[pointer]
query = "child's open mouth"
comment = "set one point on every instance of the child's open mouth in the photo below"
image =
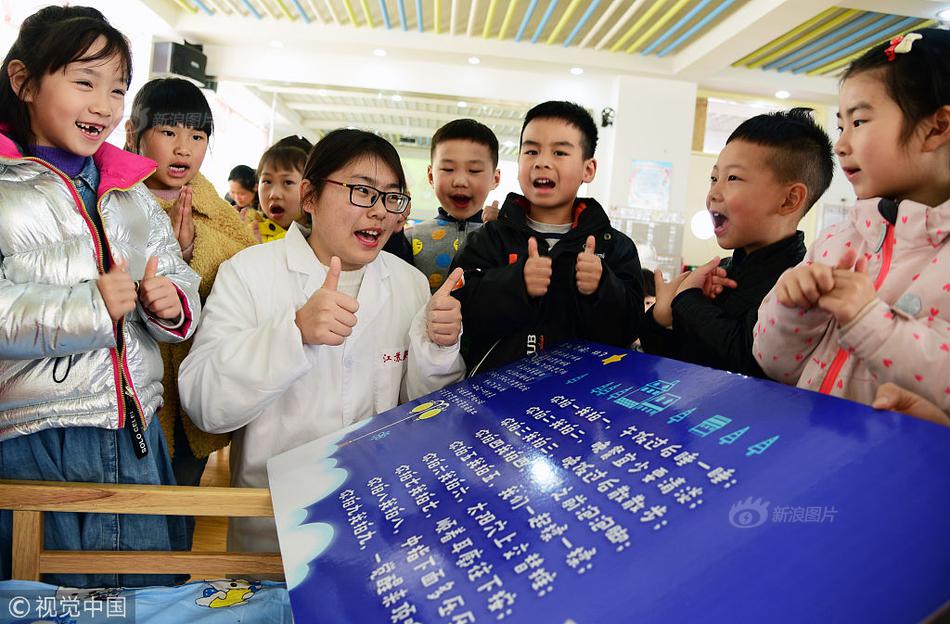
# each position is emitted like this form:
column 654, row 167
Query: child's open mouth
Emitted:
column 543, row 183
column 276, row 212
column 460, row 202
column 850, row 172
column 719, row 221
column 369, row 238
column 178, row 170
column 90, row 130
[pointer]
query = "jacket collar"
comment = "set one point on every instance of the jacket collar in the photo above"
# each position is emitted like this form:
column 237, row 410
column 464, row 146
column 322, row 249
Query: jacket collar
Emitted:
column 790, row 246
column 118, row 169
column 372, row 299
column 915, row 224
column 302, row 259
column 588, row 214
column 475, row 218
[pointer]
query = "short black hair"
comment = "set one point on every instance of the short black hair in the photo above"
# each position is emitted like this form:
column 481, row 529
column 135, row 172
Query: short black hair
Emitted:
column 341, row 147
column 649, row 285
column 49, row 40
column 282, row 157
column 918, row 80
column 467, row 130
column 245, row 176
column 800, row 149
column 295, row 140
column 168, row 102
column 574, row 114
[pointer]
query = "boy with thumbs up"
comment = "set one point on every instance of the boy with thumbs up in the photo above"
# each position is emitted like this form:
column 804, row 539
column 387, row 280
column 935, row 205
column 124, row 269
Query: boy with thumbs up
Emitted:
column 773, row 168
column 550, row 267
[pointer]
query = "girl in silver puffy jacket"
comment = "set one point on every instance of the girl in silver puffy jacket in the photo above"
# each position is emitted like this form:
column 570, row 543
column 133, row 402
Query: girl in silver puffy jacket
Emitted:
column 91, row 277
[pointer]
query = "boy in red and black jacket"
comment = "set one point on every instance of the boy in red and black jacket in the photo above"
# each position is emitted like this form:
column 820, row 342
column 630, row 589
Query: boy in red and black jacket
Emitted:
column 551, row 268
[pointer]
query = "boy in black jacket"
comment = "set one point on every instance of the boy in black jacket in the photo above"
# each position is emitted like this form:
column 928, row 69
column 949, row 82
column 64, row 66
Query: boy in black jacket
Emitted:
column 550, row 268
column 773, row 168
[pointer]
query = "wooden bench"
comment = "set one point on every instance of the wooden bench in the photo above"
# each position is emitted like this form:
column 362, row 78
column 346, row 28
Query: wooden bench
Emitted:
column 29, row 499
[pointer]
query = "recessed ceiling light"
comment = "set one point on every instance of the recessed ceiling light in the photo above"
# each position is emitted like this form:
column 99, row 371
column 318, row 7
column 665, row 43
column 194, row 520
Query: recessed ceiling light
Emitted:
column 577, row 71
column 944, row 15
column 397, row 98
column 782, row 94
column 276, row 44
column 379, row 52
column 474, row 60
column 462, row 104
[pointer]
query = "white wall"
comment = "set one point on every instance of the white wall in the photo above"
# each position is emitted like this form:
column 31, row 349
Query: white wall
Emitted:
column 654, row 121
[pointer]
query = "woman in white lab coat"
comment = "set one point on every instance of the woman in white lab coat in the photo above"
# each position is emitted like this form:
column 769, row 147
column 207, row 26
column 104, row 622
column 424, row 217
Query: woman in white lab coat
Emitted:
column 308, row 334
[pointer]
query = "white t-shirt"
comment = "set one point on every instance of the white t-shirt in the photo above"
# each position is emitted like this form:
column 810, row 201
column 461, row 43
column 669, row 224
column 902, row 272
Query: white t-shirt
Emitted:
column 551, row 232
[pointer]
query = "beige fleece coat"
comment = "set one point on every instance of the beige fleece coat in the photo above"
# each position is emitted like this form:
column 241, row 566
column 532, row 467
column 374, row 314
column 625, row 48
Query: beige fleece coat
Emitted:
column 219, row 234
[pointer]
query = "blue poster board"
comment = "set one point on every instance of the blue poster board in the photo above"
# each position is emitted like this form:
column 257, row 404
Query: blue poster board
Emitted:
column 592, row 484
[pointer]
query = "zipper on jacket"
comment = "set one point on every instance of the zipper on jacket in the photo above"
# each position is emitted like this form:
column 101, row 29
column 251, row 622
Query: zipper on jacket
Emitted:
column 134, row 418
column 828, row 384
column 134, row 421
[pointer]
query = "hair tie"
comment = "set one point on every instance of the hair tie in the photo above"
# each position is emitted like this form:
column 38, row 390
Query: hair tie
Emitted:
column 901, row 45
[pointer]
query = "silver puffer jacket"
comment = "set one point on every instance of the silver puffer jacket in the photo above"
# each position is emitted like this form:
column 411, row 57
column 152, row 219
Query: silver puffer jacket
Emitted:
column 59, row 366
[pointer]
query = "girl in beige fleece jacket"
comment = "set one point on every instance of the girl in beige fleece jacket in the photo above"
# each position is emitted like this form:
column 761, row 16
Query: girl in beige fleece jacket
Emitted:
column 171, row 123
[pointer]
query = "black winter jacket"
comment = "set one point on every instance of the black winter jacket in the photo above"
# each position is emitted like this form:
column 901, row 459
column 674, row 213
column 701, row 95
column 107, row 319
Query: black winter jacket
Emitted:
column 501, row 323
column 718, row 333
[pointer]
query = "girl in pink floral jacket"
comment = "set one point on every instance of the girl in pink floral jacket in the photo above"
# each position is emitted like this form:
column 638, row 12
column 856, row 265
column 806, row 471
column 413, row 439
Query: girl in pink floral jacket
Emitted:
column 871, row 301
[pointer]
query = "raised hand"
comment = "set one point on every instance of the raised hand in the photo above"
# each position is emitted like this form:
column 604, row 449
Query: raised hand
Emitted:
column 851, row 292
column 537, row 271
column 490, row 213
column 444, row 313
column 665, row 292
column 804, row 285
column 329, row 316
column 588, row 269
column 697, row 277
column 157, row 293
column 716, row 281
column 182, row 223
column 117, row 290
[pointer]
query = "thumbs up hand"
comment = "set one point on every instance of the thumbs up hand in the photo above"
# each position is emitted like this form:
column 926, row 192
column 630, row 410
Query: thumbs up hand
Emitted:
column 157, row 293
column 117, row 290
column 490, row 212
column 444, row 313
column 537, row 271
column 588, row 269
column 329, row 316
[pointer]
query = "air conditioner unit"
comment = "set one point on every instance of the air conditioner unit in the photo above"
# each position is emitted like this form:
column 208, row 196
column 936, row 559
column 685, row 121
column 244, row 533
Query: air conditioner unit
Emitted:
column 176, row 59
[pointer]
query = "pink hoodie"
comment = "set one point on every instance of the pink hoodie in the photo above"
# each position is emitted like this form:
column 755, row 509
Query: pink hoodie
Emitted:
column 903, row 336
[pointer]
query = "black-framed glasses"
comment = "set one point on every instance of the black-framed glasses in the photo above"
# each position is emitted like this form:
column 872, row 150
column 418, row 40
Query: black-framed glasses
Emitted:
column 366, row 196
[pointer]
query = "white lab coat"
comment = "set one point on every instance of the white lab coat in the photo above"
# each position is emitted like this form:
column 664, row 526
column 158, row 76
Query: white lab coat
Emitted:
column 249, row 371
